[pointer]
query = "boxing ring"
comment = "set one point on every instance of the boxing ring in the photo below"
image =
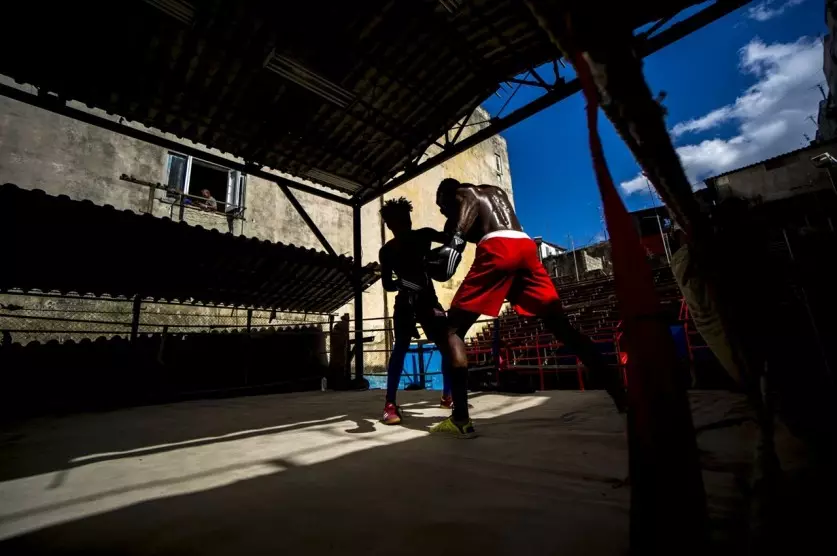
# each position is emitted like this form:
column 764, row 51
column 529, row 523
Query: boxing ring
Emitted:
column 316, row 473
column 350, row 107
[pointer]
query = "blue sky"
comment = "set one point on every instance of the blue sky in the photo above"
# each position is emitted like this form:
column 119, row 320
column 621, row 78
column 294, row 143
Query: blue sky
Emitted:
column 739, row 91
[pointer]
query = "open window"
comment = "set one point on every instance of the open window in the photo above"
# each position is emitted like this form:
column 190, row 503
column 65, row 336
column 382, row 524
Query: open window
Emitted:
column 204, row 185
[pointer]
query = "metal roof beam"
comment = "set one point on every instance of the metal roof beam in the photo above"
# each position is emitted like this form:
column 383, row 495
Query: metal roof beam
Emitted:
column 493, row 128
column 559, row 92
column 529, row 83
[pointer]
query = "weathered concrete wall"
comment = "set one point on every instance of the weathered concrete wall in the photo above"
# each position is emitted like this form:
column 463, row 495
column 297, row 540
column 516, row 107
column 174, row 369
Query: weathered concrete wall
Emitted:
column 564, row 264
column 777, row 178
column 477, row 165
column 42, row 150
column 62, row 156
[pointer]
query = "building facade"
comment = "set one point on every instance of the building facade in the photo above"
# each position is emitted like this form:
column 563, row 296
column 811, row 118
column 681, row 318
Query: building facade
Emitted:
column 63, row 156
column 793, row 174
column 547, row 249
column 584, row 263
column 827, row 117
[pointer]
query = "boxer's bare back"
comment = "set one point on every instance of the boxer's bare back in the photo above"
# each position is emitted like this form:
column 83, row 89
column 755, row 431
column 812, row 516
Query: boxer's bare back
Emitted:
column 477, row 210
column 507, row 268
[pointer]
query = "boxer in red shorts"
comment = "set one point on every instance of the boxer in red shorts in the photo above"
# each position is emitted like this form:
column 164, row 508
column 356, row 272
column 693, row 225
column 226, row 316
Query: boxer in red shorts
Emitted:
column 506, row 267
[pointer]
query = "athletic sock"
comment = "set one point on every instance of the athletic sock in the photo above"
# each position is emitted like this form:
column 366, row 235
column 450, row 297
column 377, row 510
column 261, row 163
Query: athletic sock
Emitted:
column 459, row 392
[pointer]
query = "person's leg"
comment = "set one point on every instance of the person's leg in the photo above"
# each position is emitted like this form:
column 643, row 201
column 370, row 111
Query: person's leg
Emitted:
column 396, row 365
column 437, row 327
column 403, row 325
column 459, row 322
column 481, row 292
column 534, row 293
column 434, row 322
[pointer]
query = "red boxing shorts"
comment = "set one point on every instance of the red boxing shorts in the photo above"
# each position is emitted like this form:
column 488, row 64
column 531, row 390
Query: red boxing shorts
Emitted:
column 506, row 266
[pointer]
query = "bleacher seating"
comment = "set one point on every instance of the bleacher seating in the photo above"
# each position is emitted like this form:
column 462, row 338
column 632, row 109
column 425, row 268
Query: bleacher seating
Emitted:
column 523, row 346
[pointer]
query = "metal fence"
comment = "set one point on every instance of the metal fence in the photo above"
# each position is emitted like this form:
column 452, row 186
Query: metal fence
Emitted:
column 40, row 317
column 46, row 317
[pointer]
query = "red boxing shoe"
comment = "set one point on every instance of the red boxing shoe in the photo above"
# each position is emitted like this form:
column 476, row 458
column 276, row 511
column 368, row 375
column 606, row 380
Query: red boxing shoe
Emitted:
column 447, row 403
column 392, row 415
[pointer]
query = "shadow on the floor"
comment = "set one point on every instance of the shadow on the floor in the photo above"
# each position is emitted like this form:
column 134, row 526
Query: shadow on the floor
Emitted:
column 507, row 493
column 542, row 480
column 62, row 443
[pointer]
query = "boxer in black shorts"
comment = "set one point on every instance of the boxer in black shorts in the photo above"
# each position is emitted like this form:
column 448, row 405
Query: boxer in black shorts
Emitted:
column 403, row 270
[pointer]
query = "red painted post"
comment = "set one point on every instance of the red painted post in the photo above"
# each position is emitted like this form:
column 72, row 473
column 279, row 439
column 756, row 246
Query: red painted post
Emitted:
column 538, row 351
column 620, row 366
column 689, row 346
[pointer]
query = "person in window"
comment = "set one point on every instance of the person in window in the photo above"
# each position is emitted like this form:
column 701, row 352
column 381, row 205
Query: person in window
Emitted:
column 403, row 270
column 209, row 203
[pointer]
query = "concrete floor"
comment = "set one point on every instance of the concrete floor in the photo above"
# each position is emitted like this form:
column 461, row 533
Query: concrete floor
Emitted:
column 315, row 473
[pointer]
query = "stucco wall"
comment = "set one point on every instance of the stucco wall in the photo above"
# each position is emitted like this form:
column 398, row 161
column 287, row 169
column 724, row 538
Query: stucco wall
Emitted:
column 777, row 178
column 564, row 264
column 42, row 150
column 62, row 156
column 476, row 165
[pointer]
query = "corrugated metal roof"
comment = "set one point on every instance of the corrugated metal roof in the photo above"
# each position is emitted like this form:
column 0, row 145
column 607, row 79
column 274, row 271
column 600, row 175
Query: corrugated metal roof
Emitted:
column 345, row 94
column 54, row 243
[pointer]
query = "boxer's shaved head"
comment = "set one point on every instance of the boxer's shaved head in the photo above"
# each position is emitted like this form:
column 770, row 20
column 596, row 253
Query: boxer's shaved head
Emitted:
column 446, row 194
column 447, row 188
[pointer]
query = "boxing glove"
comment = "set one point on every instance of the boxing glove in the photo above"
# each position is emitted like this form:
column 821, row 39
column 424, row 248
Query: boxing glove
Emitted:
column 442, row 262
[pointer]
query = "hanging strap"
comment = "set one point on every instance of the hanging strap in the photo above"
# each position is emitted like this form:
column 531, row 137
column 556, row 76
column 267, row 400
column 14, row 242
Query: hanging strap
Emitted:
column 668, row 506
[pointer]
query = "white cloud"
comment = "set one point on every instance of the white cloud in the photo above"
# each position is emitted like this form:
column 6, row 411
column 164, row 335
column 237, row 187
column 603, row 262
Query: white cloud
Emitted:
column 771, row 116
column 635, row 185
column 713, row 119
column 768, row 9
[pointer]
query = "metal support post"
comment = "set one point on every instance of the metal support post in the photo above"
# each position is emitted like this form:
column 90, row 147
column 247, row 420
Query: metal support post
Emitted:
column 580, row 374
column 135, row 317
column 831, row 177
column 249, row 319
column 495, row 348
column 358, row 269
column 422, row 372
column 575, row 260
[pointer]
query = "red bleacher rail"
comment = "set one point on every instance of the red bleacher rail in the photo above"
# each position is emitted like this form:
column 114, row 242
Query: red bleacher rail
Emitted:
column 689, row 330
column 514, row 344
column 532, row 351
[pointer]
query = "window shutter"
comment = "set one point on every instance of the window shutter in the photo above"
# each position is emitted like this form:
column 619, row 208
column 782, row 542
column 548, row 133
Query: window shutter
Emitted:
column 176, row 178
column 234, row 180
column 242, row 183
